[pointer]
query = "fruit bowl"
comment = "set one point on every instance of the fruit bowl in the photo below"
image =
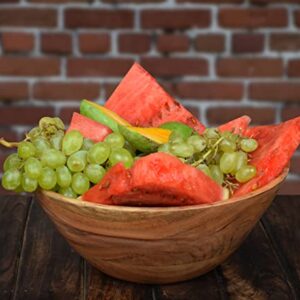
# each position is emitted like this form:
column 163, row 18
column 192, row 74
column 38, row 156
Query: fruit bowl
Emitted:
column 157, row 245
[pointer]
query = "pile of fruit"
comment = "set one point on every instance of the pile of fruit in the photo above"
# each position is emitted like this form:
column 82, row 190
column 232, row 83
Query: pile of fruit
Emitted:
column 144, row 148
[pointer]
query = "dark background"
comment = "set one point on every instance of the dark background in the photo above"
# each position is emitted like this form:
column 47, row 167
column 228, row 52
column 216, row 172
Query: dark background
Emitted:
column 222, row 59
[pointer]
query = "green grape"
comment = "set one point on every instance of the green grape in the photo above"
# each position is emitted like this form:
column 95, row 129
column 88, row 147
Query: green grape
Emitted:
column 34, row 133
column 11, row 179
column 64, row 176
column 19, row 189
column 29, row 185
column 26, row 149
column 115, row 140
column 176, row 138
column 164, row 148
column 241, row 160
column 56, row 140
column 197, row 142
column 121, row 155
column 227, row 145
column 245, row 173
column 216, row 174
column 33, row 167
column 12, row 161
column 212, row 133
column 205, row 169
column 41, row 144
column 94, row 172
column 67, row 192
column 99, row 153
column 249, row 145
column 77, row 161
column 59, row 123
column 228, row 162
column 72, row 142
column 47, row 179
column 87, row 144
column 130, row 148
column 182, row 150
column 53, row 158
column 80, row 183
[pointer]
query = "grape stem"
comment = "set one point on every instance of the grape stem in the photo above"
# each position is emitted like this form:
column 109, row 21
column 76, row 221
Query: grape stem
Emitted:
column 7, row 144
column 198, row 162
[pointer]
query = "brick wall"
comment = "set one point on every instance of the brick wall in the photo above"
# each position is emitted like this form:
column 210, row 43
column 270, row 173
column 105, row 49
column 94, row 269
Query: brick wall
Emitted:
column 221, row 58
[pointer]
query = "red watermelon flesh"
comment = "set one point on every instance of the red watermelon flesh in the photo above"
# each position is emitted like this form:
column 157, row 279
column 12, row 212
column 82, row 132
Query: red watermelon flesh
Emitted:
column 141, row 101
column 238, row 125
column 277, row 144
column 158, row 179
column 88, row 128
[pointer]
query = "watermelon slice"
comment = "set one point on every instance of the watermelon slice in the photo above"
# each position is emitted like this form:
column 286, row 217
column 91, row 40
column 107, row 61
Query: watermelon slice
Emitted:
column 141, row 101
column 158, row 179
column 88, row 128
column 238, row 125
column 277, row 144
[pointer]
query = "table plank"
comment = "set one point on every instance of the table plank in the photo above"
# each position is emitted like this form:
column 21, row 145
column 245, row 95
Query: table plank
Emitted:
column 49, row 268
column 13, row 213
column 253, row 272
column 102, row 287
column 282, row 225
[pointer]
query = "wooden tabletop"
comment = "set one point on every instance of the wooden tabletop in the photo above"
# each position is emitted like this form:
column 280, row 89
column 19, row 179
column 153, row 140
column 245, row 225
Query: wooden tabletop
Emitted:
column 37, row 263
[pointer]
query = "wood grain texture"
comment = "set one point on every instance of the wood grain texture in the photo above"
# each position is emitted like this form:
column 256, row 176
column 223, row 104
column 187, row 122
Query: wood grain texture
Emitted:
column 102, row 287
column 282, row 224
column 13, row 212
column 49, row 268
column 253, row 273
column 157, row 245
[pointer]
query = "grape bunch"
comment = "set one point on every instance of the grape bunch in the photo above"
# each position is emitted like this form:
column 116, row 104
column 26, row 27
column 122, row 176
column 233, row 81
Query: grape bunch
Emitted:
column 224, row 156
column 65, row 163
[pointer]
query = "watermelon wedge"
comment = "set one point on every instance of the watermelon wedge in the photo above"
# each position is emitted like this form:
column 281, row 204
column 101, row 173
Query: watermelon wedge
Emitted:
column 158, row 179
column 88, row 128
column 238, row 125
column 277, row 144
column 141, row 101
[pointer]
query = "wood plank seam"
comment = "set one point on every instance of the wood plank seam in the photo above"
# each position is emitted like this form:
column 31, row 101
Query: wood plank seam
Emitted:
column 83, row 279
column 221, row 284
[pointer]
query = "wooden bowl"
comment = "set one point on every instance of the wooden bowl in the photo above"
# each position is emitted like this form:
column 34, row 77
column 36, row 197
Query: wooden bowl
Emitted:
column 157, row 245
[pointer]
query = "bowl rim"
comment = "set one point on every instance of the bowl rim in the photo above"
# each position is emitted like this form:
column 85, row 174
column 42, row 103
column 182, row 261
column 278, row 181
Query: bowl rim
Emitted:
column 97, row 206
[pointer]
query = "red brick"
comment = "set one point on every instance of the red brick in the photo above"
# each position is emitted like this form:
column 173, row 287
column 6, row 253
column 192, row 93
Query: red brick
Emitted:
column 29, row 66
column 275, row 91
column 134, row 42
column 66, row 91
column 295, row 165
column 247, row 43
column 173, row 43
column 94, row 42
column 175, row 19
column 285, row 41
column 8, row 1
column 98, row 18
column 253, row 17
column 66, row 114
column 132, row 1
column 250, row 67
column 294, row 68
column 221, row 115
column 290, row 112
column 28, row 17
column 194, row 110
column 9, row 135
column 290, row 187
column 23, row 115
column 57, row 43
column 210, row 90
column 59, row 1
column 210, row 43
column 211, row 1
column 175, row 66
column 17, row 42
column 265, row 2
column 109, row 88
column 98, row 67
column 13, row 91
column 297, row 18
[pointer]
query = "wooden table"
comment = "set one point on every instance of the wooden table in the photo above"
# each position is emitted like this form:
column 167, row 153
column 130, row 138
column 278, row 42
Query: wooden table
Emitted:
column 37, row 263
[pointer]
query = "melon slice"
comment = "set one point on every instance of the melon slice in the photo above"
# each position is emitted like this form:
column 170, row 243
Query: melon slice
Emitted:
column 88, row 128
column 277, row 144
column 158, row 179
column 141, row 101
column 238, row 125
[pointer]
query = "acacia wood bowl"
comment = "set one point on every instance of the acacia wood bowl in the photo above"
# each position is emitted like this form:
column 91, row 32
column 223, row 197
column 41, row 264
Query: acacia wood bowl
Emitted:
column 157, row 245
